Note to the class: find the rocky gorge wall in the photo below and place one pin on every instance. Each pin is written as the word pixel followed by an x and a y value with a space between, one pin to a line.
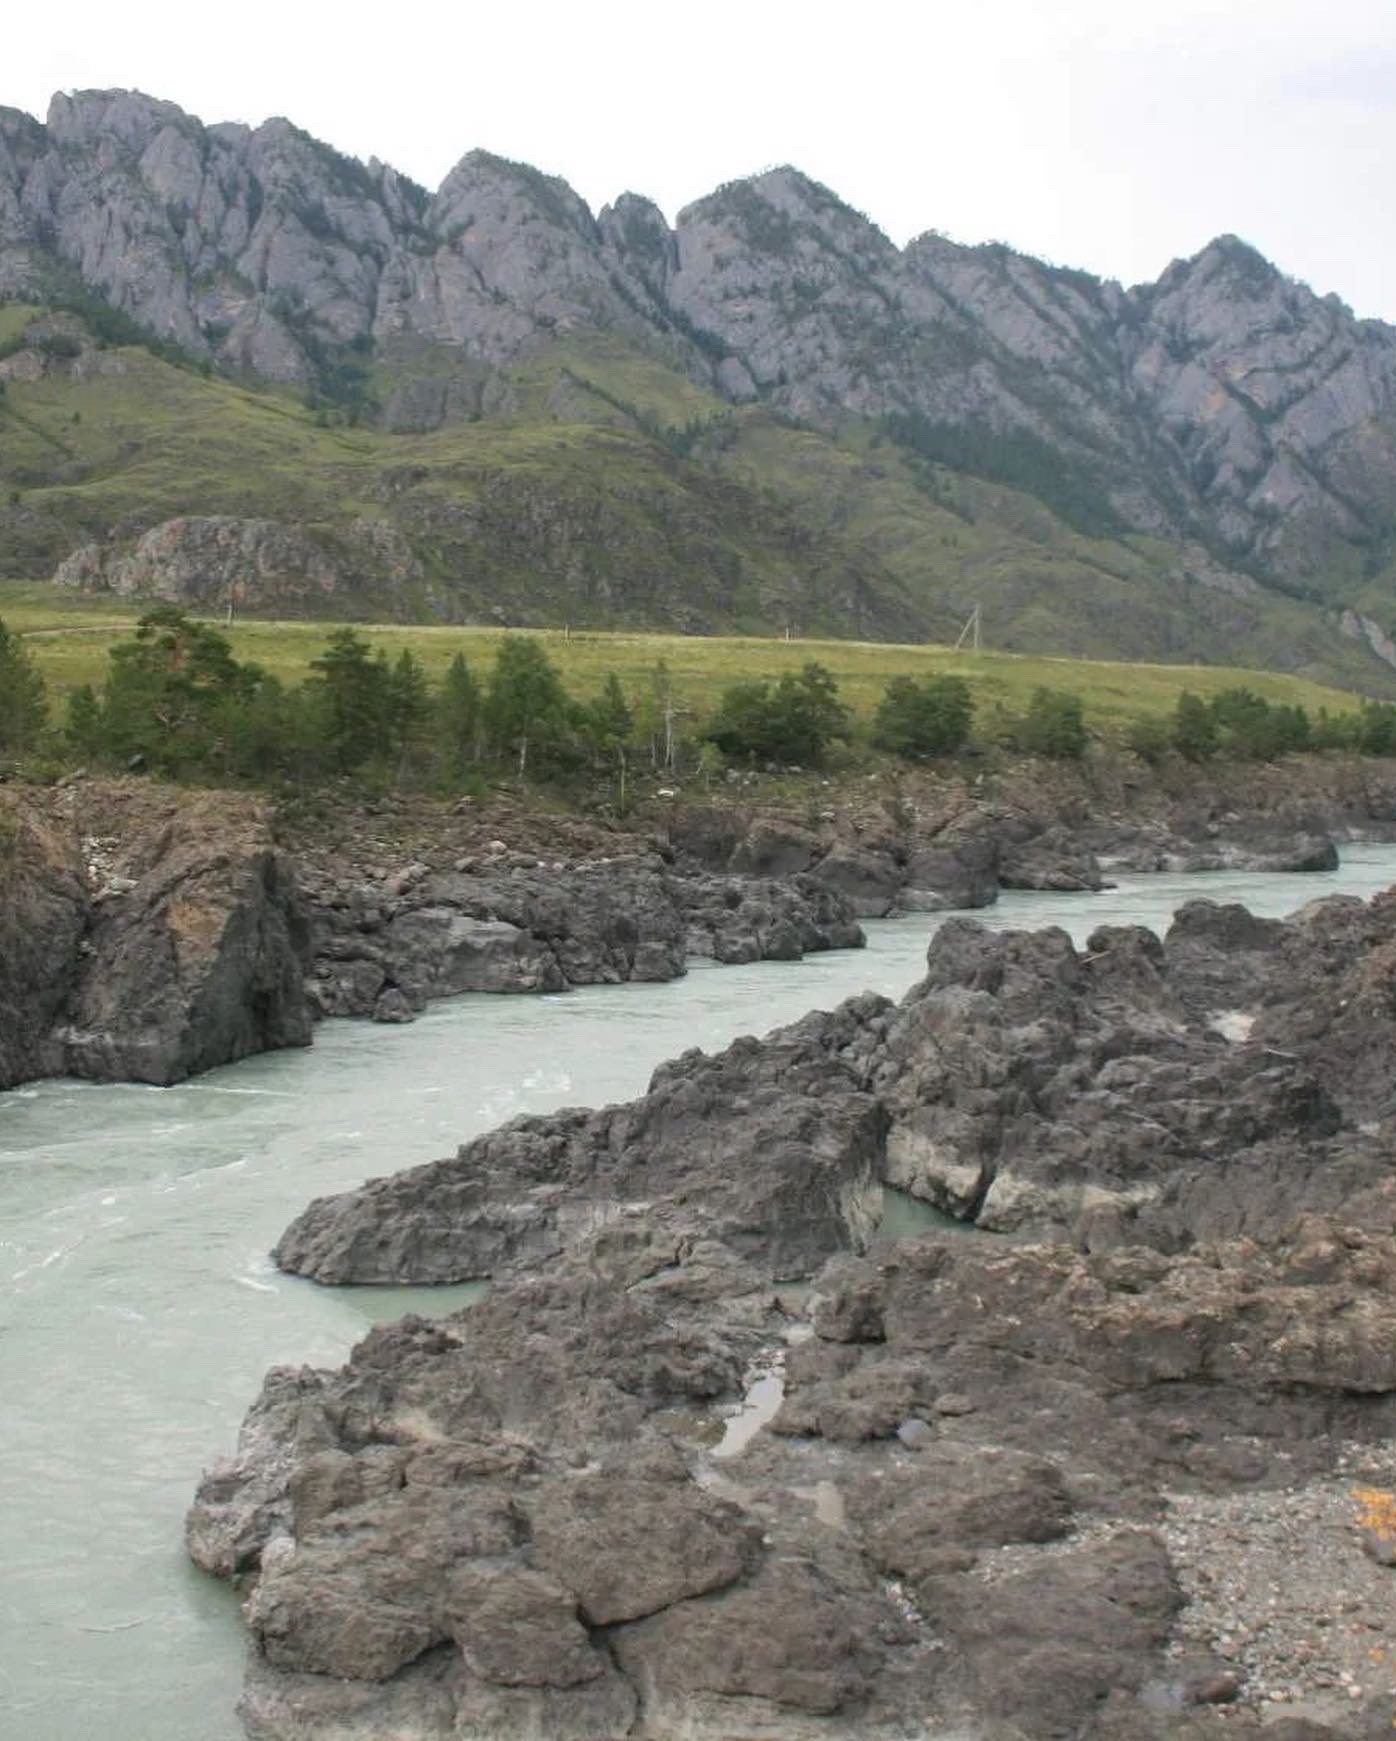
pixel 155 932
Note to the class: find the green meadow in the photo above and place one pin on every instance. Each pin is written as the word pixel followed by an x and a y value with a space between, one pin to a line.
pixel 69 637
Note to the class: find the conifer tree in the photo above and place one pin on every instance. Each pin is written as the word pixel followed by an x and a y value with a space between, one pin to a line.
pixel 526 711
pixel 23 704
pixel 459 713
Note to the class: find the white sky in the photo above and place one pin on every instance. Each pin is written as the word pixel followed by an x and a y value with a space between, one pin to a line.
pixel 1096 133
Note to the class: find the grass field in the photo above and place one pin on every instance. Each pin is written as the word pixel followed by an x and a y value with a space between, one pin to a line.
pixel 69 637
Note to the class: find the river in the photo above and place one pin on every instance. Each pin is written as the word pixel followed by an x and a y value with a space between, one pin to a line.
pixel 138 1310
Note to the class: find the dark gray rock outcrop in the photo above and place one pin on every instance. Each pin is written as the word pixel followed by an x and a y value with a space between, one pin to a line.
pixel 508 1521
pixel 1097 1095
pixel 174 943
pixel 774 1142
pixel 385 949
pixel 544 1514
pixel 959 852
pixel 43 917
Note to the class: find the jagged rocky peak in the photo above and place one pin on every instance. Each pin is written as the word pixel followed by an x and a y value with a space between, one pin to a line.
pixel 1276 394
pixel 792 282
pixel 637 232
pixel 754 205
pixel 1228 260
pixel 21 140
pixel 510 258
pixel 1225 406
pixel 106 118
pixel 1228 296
pixel 485 188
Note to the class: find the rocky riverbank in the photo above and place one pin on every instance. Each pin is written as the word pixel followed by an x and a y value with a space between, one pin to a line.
pixel 410 900
pixel 1040 1477
pixel 151 932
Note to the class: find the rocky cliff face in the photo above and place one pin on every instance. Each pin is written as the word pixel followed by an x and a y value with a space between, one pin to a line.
pixel 144 936
pixel 1224 407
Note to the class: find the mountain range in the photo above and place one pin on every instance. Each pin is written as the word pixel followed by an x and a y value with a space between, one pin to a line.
pixel 236 362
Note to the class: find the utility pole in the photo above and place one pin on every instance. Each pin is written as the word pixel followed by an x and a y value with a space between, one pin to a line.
pixel 971 629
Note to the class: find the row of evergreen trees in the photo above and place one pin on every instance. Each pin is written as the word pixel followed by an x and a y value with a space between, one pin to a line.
pixel 176 700
pixel 1242 725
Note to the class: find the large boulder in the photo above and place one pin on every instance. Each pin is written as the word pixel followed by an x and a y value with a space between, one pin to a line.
pixel 196 956
pixel 1034 1086
pixel 152 934
pixel 774 1142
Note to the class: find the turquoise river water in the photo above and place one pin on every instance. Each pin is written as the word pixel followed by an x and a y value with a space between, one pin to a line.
pixel 138 1309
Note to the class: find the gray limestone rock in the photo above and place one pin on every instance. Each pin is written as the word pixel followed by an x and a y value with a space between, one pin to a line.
pixel 1224 407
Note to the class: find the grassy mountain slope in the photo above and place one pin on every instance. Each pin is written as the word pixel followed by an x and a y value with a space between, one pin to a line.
pixel 598 486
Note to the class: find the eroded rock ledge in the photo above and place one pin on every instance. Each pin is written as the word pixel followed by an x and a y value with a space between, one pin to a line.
pixel 522 1520
pixel 385 948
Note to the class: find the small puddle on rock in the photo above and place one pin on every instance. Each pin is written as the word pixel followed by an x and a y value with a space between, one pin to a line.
pixel 905 1216
pixel 758 1406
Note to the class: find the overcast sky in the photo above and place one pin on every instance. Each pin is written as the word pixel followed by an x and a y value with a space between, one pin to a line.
pixel 1104 135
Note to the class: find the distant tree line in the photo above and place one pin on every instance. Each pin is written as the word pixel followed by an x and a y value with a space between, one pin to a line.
pixel 1241 725
pixel 177 701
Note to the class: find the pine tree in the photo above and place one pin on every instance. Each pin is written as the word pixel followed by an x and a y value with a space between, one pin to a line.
pixel 609 717
pixel 408 706
pixel 351 691
pixel 609 724
pixel 526 710
pixel 165 689
pixel 84 729
pixel 459 714
pixel 23 704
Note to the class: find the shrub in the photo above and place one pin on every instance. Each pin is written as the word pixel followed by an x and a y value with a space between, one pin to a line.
pixel 1054 725
pixel 793 720
pixel 1248 726
pixel 1194 730
pixel 1150 739
pixel 1376 735
pixel 930 717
